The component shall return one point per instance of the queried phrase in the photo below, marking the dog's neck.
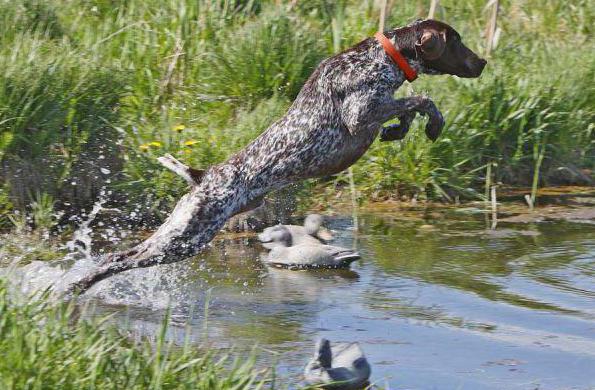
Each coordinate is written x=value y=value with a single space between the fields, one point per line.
x=404 y=39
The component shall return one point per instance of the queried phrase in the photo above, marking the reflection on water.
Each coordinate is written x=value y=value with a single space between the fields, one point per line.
x=435 y=302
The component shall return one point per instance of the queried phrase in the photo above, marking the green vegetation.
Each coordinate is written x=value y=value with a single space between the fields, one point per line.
x=91 y=92
x=47 y=345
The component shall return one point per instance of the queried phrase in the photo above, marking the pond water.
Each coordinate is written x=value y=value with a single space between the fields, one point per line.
x=436 y=302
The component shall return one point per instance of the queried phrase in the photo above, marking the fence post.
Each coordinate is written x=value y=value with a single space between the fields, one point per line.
x=382 y=15
x=492 y=25
x=433 y=6
x=494 y=208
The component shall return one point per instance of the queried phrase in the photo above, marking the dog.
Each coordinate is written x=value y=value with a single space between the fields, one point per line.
x=335 y=118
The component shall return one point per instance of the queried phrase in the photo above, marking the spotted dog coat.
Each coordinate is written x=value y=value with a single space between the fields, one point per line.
x=330 y=125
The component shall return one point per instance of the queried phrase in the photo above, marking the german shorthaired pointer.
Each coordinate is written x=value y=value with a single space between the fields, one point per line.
x=330 y=125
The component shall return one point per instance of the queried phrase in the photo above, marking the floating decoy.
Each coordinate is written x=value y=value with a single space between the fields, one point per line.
x=306 y=255
x=344 y=367
x=312 y=232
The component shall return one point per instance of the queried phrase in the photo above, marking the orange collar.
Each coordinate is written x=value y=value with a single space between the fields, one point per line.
x=396 y=56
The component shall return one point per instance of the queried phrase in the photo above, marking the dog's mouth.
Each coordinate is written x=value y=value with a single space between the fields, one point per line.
x=474 y=68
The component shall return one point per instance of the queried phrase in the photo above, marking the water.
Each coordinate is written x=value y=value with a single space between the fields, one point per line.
x=437 y=302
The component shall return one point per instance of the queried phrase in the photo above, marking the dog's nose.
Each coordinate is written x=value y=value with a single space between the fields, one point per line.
x=475 y=66
x=482 y=63
x=477 y=63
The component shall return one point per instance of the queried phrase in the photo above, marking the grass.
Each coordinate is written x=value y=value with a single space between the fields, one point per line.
x=92 y=91
x=47 y=345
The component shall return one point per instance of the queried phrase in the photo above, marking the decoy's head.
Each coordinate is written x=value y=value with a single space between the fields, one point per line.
x=277 y=234
x=312 y=223
x=313 y=226
x=323 y=353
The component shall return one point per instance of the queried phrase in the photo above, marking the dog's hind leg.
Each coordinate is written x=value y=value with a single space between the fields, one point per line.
x=193 y=223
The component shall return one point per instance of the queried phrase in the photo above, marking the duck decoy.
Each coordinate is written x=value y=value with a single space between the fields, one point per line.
x=342 y=367
x=306 y=255
x=311 y=232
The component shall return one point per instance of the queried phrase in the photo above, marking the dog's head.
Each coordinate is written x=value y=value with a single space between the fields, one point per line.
x=441 y=50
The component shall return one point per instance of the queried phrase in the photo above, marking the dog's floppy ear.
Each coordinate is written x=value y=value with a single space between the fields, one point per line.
x=431 y=44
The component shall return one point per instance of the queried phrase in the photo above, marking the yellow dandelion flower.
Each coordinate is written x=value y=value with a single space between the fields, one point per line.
x=156 y=144
x=179 y=127
x=144 y=147
x=190 y=142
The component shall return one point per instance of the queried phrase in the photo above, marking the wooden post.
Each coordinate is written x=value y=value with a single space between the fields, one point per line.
x=488 y=182
x=539 y=153
x=382 y=15
x=494 y=208
x=433 y=6
x=492 y=25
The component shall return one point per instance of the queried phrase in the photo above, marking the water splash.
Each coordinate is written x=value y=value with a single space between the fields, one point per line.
x=82 y=239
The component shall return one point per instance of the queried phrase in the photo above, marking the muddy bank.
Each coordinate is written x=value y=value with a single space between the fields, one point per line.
x=553 y=203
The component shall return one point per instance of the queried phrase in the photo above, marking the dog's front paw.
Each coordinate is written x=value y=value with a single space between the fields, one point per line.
x=392 y=133
x=397 y=132
x=434 y=125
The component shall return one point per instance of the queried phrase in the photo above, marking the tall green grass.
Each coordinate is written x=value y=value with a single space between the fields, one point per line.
x=533 y=95
x=96 y=84
x=47 y=345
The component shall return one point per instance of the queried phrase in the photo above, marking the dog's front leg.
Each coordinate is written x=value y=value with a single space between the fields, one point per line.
x=369 y=109
x=405 y=109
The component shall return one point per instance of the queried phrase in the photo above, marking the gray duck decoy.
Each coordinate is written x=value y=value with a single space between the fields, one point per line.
x=312 y=232
x=306 y=255
x=344 y=367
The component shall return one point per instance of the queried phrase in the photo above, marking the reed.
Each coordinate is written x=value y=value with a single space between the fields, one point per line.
x=50 y=345
x=539 y=154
